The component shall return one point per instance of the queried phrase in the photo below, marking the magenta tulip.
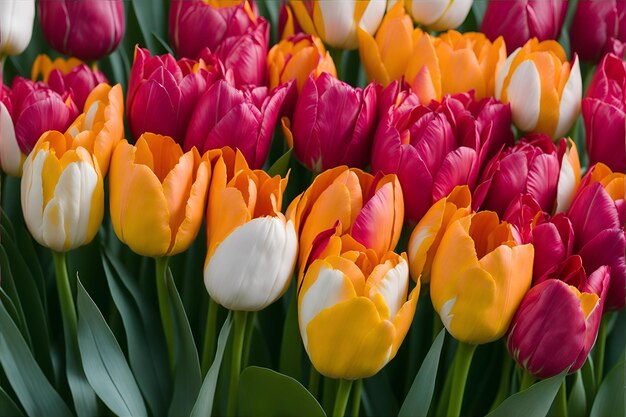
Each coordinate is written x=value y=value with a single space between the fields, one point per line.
x=86 y=29
x=553 y=240
x=604 y=112
x=519 y=20
x=240 y=118
x=599 y=28
x=79 y=81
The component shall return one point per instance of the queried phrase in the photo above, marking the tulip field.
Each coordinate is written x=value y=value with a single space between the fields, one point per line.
x=313 y=208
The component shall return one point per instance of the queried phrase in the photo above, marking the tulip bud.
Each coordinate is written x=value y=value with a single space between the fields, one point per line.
x=354 y=313
x=598 y=28
x=336 y=22
x=558 y=315
x=478 y=293
x=333 y=124
x=16 y=26
x=543 y=88
x=520 y=20
x=287 y=24
x=604 y=113
x=86 y=29
x=157 y=195
x=251 y=247
x=438 y=15
x=62 y=193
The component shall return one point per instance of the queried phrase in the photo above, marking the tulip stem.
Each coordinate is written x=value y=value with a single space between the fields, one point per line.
x=208 y=350
x=527 y=380
x=356 y=397
x=560 y=402
x=598 y=357
x=341 y=400
x=66 y=299
x=314 y=381
x=237 y=350
x=462 y=362
x=165 y=307
x=505 y=382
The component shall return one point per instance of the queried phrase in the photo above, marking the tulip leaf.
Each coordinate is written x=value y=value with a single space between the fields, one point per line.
x=533 y=401
x=29 y=383
x=8 y=284
x=8 y=408
x=281 y=165
x=610 y=397
x=103 y=361
x=204 y=402
x=417 y=401
x=264 y=392
x=478 y=9
x=291 y=345
x=577 y=403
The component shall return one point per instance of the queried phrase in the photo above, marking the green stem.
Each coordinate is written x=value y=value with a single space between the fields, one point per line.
x=341 y=400
x=329 y=392
x=356 y=397
x=337 y=56
x=314 y=381
x=598 y=354
x=560 y=402
x=66 y=299
x=235 y=370
x=165 y=308
x=462 y=362
x=527 y=380
x=247 y=341
x=445 y=392
x=505 y=379
x=208 y=350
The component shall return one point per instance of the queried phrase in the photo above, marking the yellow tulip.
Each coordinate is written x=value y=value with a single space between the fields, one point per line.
x=157 y=195
x=479 y=277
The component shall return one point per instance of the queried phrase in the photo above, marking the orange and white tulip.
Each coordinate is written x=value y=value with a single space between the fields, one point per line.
x=437 y=15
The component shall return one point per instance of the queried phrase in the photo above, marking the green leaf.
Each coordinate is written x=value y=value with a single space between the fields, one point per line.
x=417 y=401
x=32 y=388
x=103 y=361
x=263 y=392
x=610 y=397
x=281 y=165
x=577 y=402
x=533 y=401
x=8 y=284
x=8 y=408
x=204 y=403
x=291 y=347
x=163 y=43
x=478 y=9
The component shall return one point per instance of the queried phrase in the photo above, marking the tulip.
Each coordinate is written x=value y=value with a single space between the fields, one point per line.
x=354 y=313
x=157 y=195
x=62 y=193
x=336 y=22
x=558 y=315
x=438 y=15
x=242 y=119
x=432 y=69
x=426 y=236
x=520 y=20
x=163 y=93
x=598 y=215
x=252 y=246
x=553 y=240
x=543 y=88
x=477 y=294
x=333 y=124
x=297 y=57
x=16 y=27
x=86 y=29
x=599 y=28
x=604 y=113
x=287 y=24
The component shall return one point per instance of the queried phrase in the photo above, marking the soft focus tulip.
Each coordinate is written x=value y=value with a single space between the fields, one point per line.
x=287 y=24
x=558 y=315
x=427 y=235
x=297 y=57
x=354 y=313
x=336 y=22
x=242 y=119
x=29 y=110
x=62 y=193
x=598 y=215
x=438 y=15
x=433 y=68
x=163 y=93
x=604 y=113
x=598 y=28
x=433 y=149
x=86 y=29
x=543 y=88
x=16 y=26
x=520 y=20
x=251 y=246
x=333 y=124
x=479 y=277
x=157 y=195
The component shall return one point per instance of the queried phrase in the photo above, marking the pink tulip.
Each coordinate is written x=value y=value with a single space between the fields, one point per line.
x=561 y=314
x=79 y=81
x=599 y=28
x=85 y=29
x=243 y=119
x=333 y=123
x=519 y=20
x=553 y=240
x=604 y=112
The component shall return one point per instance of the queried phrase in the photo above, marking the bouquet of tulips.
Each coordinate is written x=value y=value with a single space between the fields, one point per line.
x=312 y=208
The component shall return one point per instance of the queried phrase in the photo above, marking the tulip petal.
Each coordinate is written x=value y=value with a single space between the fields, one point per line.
x=11 y=157
x=569 y=108
x=524 y=94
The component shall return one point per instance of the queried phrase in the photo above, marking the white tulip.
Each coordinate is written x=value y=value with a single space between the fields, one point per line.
x=16 y=25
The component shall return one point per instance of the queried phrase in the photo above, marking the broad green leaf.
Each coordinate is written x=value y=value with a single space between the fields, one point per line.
x=163 y=43
x=263 y=392
x=32 y=388
x=8 y=408
x=533 y=401
x=281 y=165
x=204 y=402
x=610 y=397
x=291 y=347
x=8 y=284
x=103 y=361
x=417 y=401
x=577 y=403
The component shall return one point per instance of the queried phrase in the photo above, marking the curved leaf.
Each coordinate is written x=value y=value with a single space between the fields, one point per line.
x=610 y=397
x=7 y=407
